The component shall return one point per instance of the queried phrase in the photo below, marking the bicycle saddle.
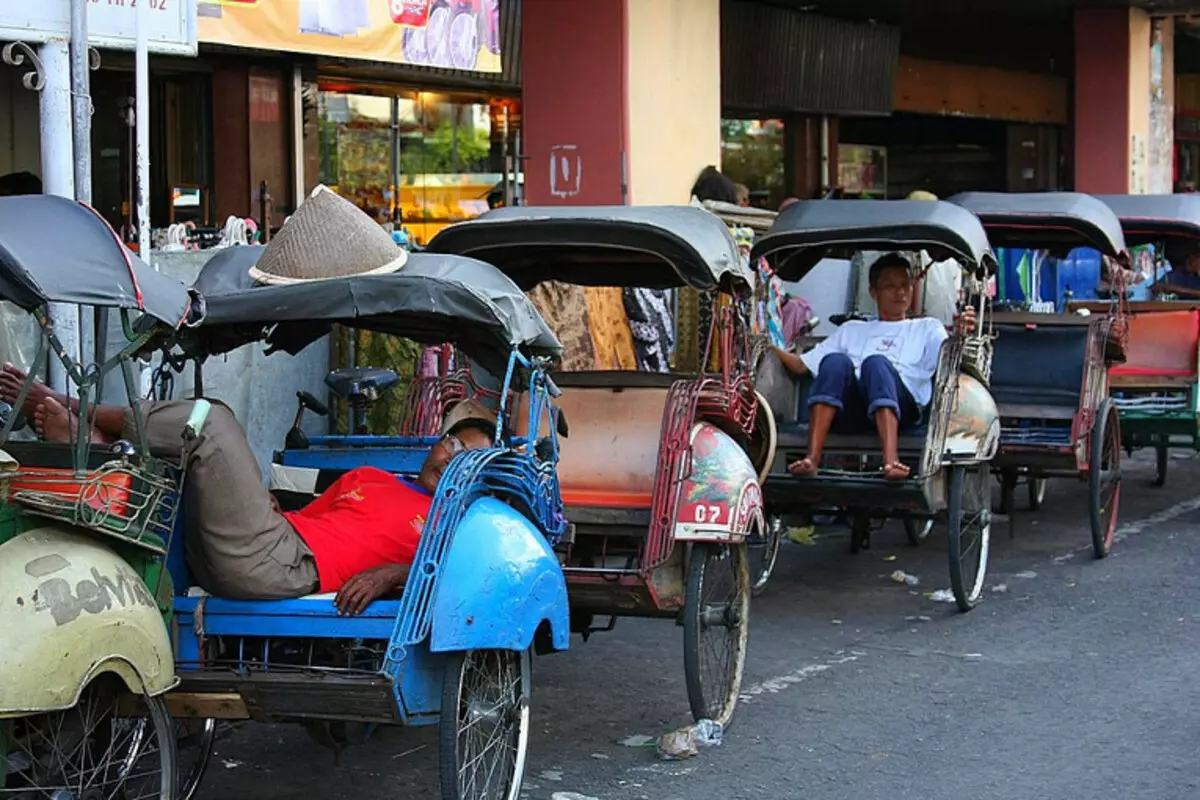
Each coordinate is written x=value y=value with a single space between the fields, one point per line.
x=366 y=381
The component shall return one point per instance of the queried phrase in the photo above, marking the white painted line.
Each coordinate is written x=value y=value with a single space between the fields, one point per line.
x=800 y=675
x=1138 y=525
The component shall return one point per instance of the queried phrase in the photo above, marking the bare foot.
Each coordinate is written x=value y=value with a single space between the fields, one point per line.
x=11 y=381
x=55 y=424
x=804 y=468
x=895 y=471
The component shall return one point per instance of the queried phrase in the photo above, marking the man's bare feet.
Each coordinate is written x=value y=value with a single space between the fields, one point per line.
x=54 y=423
x=804 y=468
x=11 y=381
x=895 y=471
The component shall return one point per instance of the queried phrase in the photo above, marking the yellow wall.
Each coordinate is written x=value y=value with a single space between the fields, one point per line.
x=674 y=89
x=1139 y=101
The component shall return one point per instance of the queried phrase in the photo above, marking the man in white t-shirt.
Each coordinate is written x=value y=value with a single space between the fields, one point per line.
x=873 y=374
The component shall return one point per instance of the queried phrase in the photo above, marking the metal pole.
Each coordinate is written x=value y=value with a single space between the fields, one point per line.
x=142 y=123
x=394 y=149
x=298 y=177
x=81 y=128
x=58 y=177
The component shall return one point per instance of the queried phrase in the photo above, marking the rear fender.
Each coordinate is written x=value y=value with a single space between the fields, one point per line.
x=499 y=583
x=71 y=608
x=974 y=430
x=720 y=499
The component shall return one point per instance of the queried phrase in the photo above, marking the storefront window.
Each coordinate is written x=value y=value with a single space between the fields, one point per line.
x=416 y=160
x=752 y=155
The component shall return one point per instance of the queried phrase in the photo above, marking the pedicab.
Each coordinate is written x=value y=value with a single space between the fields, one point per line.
x=485 y=588
x=659 y=474
x=1157 y=389
x=1050 y=371
x=84 y=599
x=949 y=452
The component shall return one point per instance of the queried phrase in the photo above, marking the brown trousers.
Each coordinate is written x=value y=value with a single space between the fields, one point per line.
x=238 y=545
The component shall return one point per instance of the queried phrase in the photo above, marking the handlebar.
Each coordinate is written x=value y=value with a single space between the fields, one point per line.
x=312 y=404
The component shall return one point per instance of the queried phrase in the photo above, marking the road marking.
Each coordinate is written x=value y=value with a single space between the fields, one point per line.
x=800 y=675
x=1134 y=528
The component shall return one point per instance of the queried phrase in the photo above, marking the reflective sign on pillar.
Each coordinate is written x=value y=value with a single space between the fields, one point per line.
x=566 y=170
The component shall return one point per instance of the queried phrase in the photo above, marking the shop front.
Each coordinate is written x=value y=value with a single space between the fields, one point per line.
x=409 y=109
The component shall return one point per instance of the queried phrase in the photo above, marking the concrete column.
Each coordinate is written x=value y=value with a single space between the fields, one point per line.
x=621 y=100
x=1124 y=76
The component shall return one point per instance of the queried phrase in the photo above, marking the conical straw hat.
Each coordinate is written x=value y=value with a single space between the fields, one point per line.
x=328 y=237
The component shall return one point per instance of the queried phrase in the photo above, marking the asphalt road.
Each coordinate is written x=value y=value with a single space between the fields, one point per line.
x=1073 y=679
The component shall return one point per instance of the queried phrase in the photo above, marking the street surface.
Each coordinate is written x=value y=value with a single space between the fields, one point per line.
x=1073 y=679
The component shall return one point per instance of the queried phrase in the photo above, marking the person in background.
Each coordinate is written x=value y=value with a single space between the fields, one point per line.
x=788 y=202
x=1185 y=187
x=711 y=184
x=1184 y=278
x=743 y=194
x=16 y=183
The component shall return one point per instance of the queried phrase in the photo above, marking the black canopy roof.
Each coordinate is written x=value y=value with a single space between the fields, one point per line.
x=1150 y=218
x=657 y=247
x=1055 y=221
x=54 y=250
x=433 y=299
x=808 y=231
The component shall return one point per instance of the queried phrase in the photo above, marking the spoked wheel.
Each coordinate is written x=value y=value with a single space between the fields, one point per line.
x=91 y=752
x=917 y=530
x=1104 y=479
x=969 y=532
x=762 y=547
x=1037 y=493
x=484 y=728
x=716 y=617
x=194 y=740
x=1162 y=455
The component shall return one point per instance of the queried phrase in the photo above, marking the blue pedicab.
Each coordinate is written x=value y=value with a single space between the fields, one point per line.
x=1050 y=371
x=948 y=453
x=660 y=473
x=85 y=603
x=485 y=587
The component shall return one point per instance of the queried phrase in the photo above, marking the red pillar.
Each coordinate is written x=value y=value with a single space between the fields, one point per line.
x=1102 y=106
x=573 y=108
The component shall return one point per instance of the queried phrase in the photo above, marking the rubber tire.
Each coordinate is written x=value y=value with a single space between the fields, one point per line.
x=759 y=579
x=448 y=726
x=965 y=597
x=1162 y=455
x=917 y=531
x=1037 y=493
x=692 y=627
x=190 y=782
x=1108 y=426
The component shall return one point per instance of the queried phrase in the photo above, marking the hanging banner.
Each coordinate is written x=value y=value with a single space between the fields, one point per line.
x=453 y=34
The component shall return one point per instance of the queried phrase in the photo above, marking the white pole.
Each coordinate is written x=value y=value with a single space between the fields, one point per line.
x=58 y=177
x=142 y=129
x=298 y=176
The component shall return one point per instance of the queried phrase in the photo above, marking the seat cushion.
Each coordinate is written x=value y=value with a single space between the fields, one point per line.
x=1039 y=365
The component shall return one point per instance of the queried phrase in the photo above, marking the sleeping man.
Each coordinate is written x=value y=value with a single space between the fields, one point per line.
x=356 y=540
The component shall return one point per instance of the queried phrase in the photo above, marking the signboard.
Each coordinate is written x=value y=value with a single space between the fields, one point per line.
x=112 y=24
x=862 y=171
x=453 y=34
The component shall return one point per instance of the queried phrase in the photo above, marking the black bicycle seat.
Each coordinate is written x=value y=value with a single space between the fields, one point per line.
x=361 y=381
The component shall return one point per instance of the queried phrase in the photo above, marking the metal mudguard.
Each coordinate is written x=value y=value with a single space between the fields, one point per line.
x=720 y=498
x=500 y=581
x=974 y=430
x=70 y=608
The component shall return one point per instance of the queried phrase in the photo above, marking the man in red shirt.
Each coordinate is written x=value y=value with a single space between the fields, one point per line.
x=357 y=539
